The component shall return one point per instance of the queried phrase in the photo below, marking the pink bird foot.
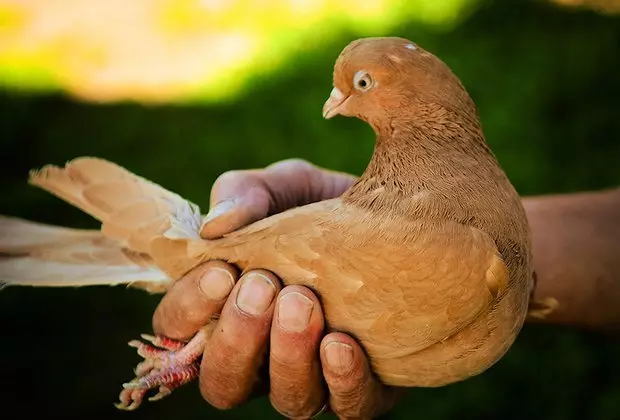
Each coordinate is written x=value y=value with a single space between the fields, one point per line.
x=167 y=365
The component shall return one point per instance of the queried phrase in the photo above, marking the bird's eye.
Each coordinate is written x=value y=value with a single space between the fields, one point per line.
x=362 y=80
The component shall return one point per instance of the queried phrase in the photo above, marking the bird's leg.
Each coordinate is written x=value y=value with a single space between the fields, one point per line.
x=167 y=365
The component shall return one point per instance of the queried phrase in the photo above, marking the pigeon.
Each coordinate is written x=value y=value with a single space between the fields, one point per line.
x=425 y=259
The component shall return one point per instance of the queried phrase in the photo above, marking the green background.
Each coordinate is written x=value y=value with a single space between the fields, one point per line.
x=547 y=85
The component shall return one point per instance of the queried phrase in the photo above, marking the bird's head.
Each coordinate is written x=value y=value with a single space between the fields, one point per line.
x=382 y=79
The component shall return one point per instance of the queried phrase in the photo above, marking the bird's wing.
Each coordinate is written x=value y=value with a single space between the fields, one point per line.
x=133 y=210
x=396 y=284
x=436 y=278
x=34 y=254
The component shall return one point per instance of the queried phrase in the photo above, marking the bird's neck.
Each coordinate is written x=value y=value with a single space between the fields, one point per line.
x=414 y=158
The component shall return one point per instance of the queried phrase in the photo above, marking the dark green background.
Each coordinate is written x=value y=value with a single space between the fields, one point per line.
x=547 y=84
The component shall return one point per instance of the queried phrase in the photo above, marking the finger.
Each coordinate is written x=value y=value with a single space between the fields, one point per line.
x=297 y=389
x=354 y=390
x=239 y=198
x=194 y=299
x=233 y=355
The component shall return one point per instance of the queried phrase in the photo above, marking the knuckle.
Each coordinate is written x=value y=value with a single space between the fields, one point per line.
x=292 y=164
x=191 y=314
x=186 y=306
x=347 y=395
x=351 y=412
x=350 y=407
x=296 y=390
x=223 y=386
x=169 y=322
x=291 y=358
x=233 y=176
x=356 y=398
x=160 y=321
x=293 y=410
x=183 y=311
x=221 y=402
x=296 y=401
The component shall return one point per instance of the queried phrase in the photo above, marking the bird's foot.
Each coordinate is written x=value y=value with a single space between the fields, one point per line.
x=167 y=365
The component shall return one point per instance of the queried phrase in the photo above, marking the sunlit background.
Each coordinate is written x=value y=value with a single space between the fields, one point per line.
x=180 y=91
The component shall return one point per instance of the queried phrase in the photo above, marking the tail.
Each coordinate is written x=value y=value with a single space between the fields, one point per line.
x=34 y=254
x=148 y=233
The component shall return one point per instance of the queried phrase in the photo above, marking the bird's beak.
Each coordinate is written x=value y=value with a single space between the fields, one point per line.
x=336 y=98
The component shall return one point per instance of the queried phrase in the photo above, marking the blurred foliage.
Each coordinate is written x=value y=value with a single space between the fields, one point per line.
x=546 y=83
x=114 y=49
x=601 y=6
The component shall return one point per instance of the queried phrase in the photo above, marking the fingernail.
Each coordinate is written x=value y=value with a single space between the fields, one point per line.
x=339 y=356
x=294 y=310
x=216 y=283
x=219 y=209
x=255 y=294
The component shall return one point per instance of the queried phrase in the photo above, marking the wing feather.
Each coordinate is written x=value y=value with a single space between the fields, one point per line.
x=133 y=210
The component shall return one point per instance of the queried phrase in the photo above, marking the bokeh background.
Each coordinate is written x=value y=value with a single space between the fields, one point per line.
x=181 y=91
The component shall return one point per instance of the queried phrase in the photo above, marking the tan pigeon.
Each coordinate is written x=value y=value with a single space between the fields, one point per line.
x=425 y=260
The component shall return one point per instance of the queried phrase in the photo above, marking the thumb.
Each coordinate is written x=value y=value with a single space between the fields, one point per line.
x=239 y=198
x=244 y=201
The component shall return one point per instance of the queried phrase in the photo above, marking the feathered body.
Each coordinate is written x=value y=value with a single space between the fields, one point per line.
x=425 y=260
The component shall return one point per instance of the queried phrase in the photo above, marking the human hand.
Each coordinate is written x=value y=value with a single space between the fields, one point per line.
x=301 y=359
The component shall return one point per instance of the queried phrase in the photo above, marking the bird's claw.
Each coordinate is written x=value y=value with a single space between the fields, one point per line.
x=167 y=365
x=164 y=391
x=130 y=399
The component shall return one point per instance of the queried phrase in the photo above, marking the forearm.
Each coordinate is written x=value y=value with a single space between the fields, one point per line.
x=576 y=247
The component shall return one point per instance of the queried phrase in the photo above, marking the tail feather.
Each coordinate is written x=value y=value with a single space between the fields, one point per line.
x=133 y=210
x=18 y=236
x=34 y=254
x=28 y=271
